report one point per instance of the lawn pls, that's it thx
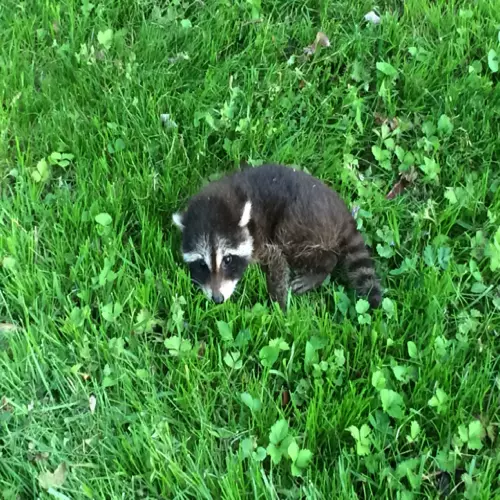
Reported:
(118, 379)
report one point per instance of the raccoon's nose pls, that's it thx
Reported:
(218, 297)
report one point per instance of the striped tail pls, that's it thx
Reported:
(359, 269)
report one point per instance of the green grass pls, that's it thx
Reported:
(87, 301)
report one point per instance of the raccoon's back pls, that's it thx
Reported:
(286, 197)
(272, 184)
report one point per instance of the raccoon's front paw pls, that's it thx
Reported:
(303, 283)
(280, 298)
(298, 285)
(277, 275)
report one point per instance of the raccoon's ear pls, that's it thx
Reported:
(178, 220)
(246, 214)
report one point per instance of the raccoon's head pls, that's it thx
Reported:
(216, 242)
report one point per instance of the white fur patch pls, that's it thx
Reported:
(244, 249)
(219, 255)
(227, 288)
(201, 252)
(246, 214)
(177, 219)
(192, 256)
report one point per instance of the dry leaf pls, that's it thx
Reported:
(372, 17)
(397, 189)
(405, 179)
(411, 175)
(392, 123)
(4, 405)
(15, 99)
(53, 479)
(201, 349)
(38, 457)
(379, 118)
(7, 328)
(85, 376)
(285, 397)
(321, 39)
(92, 403)
(490, 430)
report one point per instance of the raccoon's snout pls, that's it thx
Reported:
(221, 291)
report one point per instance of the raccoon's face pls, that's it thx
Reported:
(216, 244)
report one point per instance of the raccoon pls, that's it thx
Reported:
(290, 223)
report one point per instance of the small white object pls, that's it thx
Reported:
(167, 121)
(182, 56)
(92, 403)
(372, 17)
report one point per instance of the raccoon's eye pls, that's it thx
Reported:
(227, 259)
(202, 264)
